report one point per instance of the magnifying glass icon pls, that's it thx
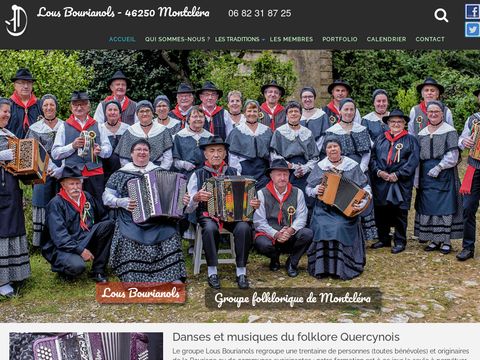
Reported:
(441, 15)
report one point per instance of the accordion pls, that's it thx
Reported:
(231, 197)
(92, 346)
(475, 150)
(30, 160)
(157, 193)
(343, 194)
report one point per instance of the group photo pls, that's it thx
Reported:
(239, 170)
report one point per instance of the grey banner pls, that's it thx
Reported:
(345, 298)
(246, 24)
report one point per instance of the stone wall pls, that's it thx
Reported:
(314, 68)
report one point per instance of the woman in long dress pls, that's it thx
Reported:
(157, 135)
(187, 155)
(338, 246)
(373, 120)
(439, 211)
(234, 116)
(162, 110)
(249, 146)
(313, 118)
(147, 252)
(356, 144)
(296, 144)
(395, 157)
(14, 258)
(114, 129)
(44, 130)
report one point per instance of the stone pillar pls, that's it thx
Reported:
(314, 68)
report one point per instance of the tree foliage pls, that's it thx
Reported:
(155, 72)
(232, 71)
(400, 71)
(56, 72)
(152, 72)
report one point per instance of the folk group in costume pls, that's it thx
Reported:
(120, 189)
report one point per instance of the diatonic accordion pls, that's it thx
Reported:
(92, 346)
(157, 193)
(30, 160)
(343, 194)
(231, 197)
(475, 150)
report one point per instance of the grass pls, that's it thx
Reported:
(414, 281)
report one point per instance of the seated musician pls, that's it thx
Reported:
(338, 247)
(215, 152)
(77, 230)
(146, 252)
(281, 218)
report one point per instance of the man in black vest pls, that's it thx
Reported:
(273, 113)
(25, 107)
(214, 114)
(185, 102)
(78, 230)
(118, 84)
(215, 152)
(280, 220)
(339, 90)
(83, 143)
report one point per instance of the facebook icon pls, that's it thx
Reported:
(472, 11)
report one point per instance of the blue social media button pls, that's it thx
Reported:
(472, 29)
(472, 11)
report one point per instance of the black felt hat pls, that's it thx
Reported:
(339, 82)
(79, 95)
(278, 164)
(476, 92)
(71, 172)
(214, 140)
(210, 86)
(23, 74)
(119, 75)
(274, 84)
(184, 88)
(395, 113)
(432, 82)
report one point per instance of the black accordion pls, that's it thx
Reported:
(30, 160)
(92, 346)
(343, 194)
(157, 193)
(231, 197)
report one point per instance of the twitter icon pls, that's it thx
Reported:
(472, 29)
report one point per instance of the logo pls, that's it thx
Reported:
(17, 25)
(472, 11)
(472, 29)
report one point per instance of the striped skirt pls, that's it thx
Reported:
(14, 259)
(135, 262)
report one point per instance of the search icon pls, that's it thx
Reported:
(441, 15)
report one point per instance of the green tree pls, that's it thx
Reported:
(56, 72)
(400, 71)
(152, 72)
(231, 71)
